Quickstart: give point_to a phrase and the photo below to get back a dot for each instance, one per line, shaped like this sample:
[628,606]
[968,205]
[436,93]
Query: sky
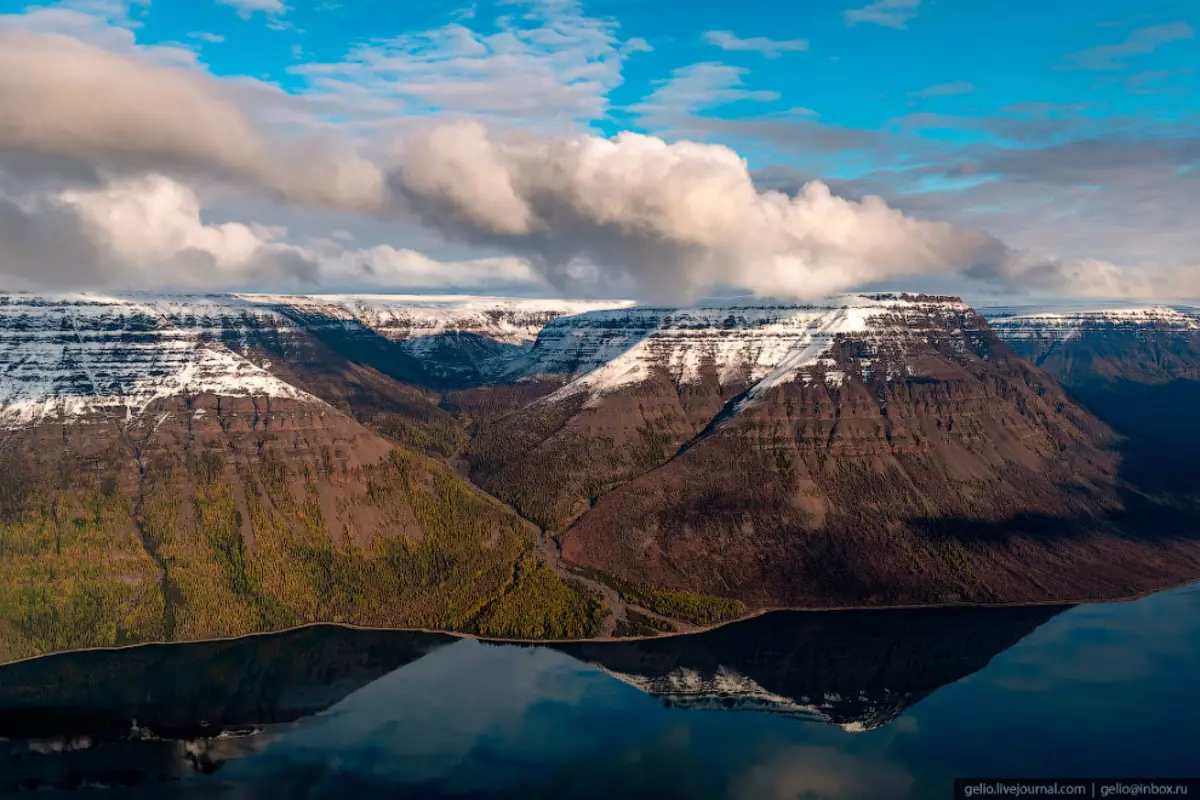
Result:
[656,150]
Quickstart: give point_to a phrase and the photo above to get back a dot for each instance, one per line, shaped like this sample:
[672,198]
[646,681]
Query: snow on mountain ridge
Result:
[73,354]
[515,321]
[764,343]
[74,358]
[1060,326]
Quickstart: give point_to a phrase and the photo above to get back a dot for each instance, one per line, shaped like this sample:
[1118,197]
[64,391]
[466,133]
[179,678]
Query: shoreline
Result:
[604,640]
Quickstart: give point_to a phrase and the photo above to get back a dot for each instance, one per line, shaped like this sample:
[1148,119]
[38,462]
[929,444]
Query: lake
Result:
[862,704]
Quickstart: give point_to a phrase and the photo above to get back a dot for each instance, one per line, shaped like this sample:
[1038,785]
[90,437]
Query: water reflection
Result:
[162,712]
[903,700]
[856,669]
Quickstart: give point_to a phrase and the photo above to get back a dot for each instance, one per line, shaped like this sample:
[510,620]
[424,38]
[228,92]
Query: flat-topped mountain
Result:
[886,448]
[1148,345]
[184,467]
[1138,369]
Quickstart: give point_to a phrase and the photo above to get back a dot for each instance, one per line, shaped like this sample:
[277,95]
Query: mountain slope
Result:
[1138,369]
[1081,347]
[162,480]
[874,449]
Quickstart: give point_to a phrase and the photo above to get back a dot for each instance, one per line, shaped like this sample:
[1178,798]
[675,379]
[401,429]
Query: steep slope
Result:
[447,341]
[1086,347]
[1138,369]
[877,449]
[158,483]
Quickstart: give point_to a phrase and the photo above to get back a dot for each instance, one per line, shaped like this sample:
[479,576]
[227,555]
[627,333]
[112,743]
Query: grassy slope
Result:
[213,549]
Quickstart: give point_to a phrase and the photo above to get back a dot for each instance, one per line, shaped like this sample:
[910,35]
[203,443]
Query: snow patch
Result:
[72,356]
[763,344]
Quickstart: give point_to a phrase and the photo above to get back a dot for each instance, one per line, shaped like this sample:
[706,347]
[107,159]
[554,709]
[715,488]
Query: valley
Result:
[192,467]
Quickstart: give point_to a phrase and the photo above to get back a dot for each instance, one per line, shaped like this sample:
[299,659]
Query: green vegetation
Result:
[73,573]
[654,447]
[543,606]
[226,543]
[439,435]
[552,469]
[697,609]
[636,624]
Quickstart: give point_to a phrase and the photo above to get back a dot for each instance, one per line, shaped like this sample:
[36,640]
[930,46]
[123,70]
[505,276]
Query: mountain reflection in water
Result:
[328,712]
[856,669]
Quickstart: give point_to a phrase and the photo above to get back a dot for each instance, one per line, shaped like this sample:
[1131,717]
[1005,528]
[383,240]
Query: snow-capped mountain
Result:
[416,319]
[753,345]
[1052,327]
[1085,345]
[76,355]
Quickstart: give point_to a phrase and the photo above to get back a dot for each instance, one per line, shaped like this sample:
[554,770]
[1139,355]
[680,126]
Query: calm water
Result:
[889,704]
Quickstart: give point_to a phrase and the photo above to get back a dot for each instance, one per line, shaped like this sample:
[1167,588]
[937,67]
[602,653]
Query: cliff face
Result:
[1081,348]
[913,458]
[1138,369]
[201,466]
[645,382]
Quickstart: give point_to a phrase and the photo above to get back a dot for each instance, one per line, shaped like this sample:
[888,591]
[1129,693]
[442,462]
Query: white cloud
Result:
[671,220]
[162,116]
[107,191]
[695,88]
[387,267]
[247,8]
[889,13]
[145,233]
[548,66]
[149,221]
[205,36]
[771,48]
[149,232]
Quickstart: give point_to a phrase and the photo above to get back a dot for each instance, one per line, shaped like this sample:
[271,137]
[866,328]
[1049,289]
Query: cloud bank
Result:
[113,193]
[92,108]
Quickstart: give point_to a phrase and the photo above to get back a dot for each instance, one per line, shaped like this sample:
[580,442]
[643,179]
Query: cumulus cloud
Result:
[149,232]
[161,117]
[102,193]
[142,232]
[670,220]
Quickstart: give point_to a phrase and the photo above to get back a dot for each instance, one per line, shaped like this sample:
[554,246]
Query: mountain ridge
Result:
[296,454]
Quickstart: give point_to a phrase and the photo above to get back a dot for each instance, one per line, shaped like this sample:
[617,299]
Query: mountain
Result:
[1138,369]
[874,449]
[194,467]
[1083,348]
[177,468]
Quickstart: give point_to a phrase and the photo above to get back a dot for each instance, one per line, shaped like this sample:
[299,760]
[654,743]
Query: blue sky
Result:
[1066,129]
[861,75]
